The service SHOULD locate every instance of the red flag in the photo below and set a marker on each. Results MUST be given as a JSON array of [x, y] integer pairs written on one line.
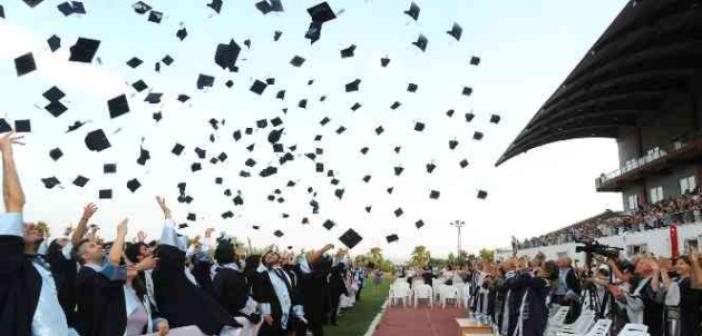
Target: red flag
[[674, 248]]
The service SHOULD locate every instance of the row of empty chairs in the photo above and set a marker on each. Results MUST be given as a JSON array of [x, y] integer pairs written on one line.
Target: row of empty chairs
[[400, 291], [585, 325]]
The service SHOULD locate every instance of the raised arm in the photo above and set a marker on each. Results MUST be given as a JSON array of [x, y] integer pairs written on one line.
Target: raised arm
[[615, 269], [11, 187], [696, 274], [318, 254], [118, 244], [168, 233], [88, 211]]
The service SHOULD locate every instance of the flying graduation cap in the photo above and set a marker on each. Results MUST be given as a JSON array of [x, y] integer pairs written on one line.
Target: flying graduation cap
[[320, 14]]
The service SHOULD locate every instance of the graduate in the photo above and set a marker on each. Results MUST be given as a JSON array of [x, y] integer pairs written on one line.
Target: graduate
[[312, 271]]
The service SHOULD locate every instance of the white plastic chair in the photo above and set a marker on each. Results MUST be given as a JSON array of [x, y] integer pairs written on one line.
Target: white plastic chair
[[579, 326], [436, 286], [601, 328], [556, 321], [633, 329], [464, 294], [423, 292], [449, 293], [400, 293]]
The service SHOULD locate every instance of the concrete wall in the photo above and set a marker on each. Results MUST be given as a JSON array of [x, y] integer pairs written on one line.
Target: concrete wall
[[657, 242]]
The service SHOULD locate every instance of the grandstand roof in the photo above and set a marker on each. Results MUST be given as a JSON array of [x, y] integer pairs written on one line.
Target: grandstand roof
[[651, 48]]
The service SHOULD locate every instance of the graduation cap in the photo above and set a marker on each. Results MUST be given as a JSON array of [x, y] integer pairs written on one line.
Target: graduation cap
[[392, 238], [191, 217], [430, 167], [278, 233], [340, 130], [320, 14], [419, 127], [453, 144], [463, 163], [364, 150], [97, 140], [78, 7], [141, 7], [80, 181], [25, 64], [157, 116], [482, 194], [195, 167], [76, 125], [65, 8], [474, 60], [469, 117], [227, 214], [328, 224], [297, 61], [395, 105], [50, 182], [54, 43], [155, 17], [118, 106], [55, 154], [398, 171], [204, 81], [258, 87], [302, 103], [413, 11], [182, 33], [434, 194], [324, 121], [274, 135], [182, 225], [4, 126], [418, 224], [421, 42], [229, 83], [264, 7], [219, 180], [276, 121], [348, 52], [495, 119], [339, 193], [467, 91], [227, 54], [133, 185], [153, 98], [477, 136], [398, 212], [355, 107], [250, 162], [350, 238], [201, 153], [183, 98], [109, 168], [276, 35], [319, 167], [238, 200], [32, 3], [2, 12], [216, 5], [456, 31], [84, 50], [268, 171], [105, 194], [368, 209], [139, 85], [167, 60], [353, 86], [23, 126], [144, 156], [412, 87], [384, 62], [450, 113], [134, 62], [280, 94]]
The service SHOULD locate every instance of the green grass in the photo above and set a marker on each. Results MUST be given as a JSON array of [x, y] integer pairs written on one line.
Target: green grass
[[355, 321]]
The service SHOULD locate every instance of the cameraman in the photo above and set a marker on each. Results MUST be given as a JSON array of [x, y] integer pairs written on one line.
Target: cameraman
[[567, 289]]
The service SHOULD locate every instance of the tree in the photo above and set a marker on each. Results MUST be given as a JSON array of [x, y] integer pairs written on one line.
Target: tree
[[420, 256], [451, 260], [486, 254], [375, 256]]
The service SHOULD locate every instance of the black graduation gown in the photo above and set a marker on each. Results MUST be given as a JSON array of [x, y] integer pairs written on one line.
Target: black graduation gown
[[65, 272], [534, 323], [653, 315], [20, 285], [101, 306], [690, 314], [512, 287], [230, 288], [201, 273], [180, 301], [311, 288], [264, 292]]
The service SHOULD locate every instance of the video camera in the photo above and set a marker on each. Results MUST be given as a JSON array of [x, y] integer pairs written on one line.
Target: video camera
[[594, 247]]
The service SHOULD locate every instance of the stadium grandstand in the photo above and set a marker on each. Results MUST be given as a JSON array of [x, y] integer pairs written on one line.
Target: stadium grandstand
[[640, 84]]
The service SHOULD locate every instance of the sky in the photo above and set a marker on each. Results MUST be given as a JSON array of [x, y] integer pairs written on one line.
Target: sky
[[526, 50]]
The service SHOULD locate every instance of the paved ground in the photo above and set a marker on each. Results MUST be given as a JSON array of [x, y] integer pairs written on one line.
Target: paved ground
[[423, 321]]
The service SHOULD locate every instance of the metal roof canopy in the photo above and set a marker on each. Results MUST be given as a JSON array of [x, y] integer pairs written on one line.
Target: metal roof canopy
[[653, 47]]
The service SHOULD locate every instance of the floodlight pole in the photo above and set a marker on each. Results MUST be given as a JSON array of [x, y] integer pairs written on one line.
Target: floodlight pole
[[458, 224]]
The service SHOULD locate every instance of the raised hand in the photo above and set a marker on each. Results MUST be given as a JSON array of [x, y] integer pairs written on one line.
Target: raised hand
[[141, 236], [147, 263], [162, 203], [208, 232], [88, 211], [9, 139], [122, 228]]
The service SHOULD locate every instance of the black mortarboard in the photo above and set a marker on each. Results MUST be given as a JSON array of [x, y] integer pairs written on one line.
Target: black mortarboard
[[340, 130], [276, 35], [195, 167], [2, 12], [4, 126], [133, 185], [50, 182], [463, 163], [482, 194], [412, 87], [53, 94], [55, 153], [219, 180], [25, 64], [276, 5], [418, 224], [268, 171], [328, 224], [474, 60], [339, 193], [258, 87], [228, 193], [204, 80], [201, 153], [297, 61], [134, 62], [355, 107], [319, 167], [140, 7], [227, 54], [54, 43], [348, 52], [264, 7], [453, 144], [450, 113], [153, 97], [270, 81], [434, 194], [78, 7], [467, 91], [167, 60], [256, 227], [109, 168], [144, 156], [23, 126], [227, 214], [280, 94], [237, 135], [97, 140], [80, 181], [364, 150], [392, 238], [368, 209], [395, 105], [324, 121], [384, 62], [456, 31], [118, 106], [353, 86], [421, 42], [278, 233], [250, 162], [157, 116], [350, 238], [183, 98], [276, 121], [65, 8], [84, 50], [182, 33], [105, 194], [413, 11], [32, 3], [177, 149], [398, 212], [398, 171], [367, 178], [477, 135], [469, 117], [140, 85], [302, 103], [229, 83], [321, 12], [216, 5], [418, 126], [182, 225], [191, 217], [155, 16], [222, 156], [274, 135], [76, 125], [495, 119], [430, 167]]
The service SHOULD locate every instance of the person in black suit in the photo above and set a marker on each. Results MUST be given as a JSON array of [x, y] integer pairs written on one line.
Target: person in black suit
[[100, 287], [567, 291], [337, 286], [312, 271]]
